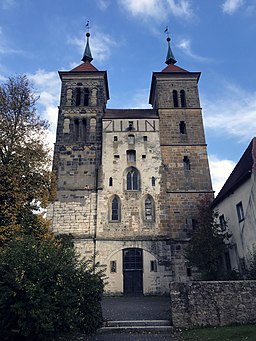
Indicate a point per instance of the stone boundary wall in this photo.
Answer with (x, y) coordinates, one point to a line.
(196, 304)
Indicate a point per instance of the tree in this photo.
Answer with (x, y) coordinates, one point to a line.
(208, 243)
(46, 290)
(24, 158)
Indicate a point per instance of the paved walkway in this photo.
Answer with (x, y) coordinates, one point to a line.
(134, 308)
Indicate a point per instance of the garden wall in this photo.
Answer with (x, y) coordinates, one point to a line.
(195, 304)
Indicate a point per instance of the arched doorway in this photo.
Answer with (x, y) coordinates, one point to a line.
(133, 271)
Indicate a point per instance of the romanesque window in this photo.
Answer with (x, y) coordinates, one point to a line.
(186, 163)
(183, 98)
(131, 139)
(175, 98)
(86, 97)
(149, 208)
(131, 155)
(153, 181)
(115, 209)
(77, 97)
(182, 127)
(132, 180)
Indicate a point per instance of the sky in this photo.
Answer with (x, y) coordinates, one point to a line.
(216, 37)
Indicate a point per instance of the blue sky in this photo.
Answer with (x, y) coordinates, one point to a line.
(216, 37)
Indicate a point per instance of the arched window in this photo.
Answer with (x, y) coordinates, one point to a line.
(149, 208)
(86, 97)
(183, 98)
(76, 130)
(153, 181)
(78, 97)
(115, 209)
(175, 98)
(110, 181)
(183, 127)
(132, 180)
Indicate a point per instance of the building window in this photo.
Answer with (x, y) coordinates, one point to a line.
(149, 208)
(131, 139)
(175, 98)
(143, 156)
(194, 224)
(78, 96)
(116, 156)
(130, 127)
(113, 266)
(153, 181)
(115, 138)
(227, 261)
(110, 181)
(115, 209)
(132, 180)
(183, 98)
(189, 272)
(145, 138)
(153, 266)
(186, 163)
(76, 130)
(183, 127)
(240, 211)
(222, 221)
(131, 155)
(86, 97)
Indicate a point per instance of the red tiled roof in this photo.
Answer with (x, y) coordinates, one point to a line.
(131, 113)
(173, 68)
(87, 66)
(240, 174)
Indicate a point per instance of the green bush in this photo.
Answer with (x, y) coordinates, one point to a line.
(46, 290)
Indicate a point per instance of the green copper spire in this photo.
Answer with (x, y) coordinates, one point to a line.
(170, 59)
(87, 52)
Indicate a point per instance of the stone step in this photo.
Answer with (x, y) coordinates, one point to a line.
(136, 326)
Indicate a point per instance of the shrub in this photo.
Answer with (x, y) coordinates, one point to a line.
(46, 290)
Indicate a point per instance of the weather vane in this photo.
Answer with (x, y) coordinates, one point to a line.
(87, 26)
(167, 32)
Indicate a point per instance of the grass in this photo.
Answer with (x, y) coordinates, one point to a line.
(230, 333)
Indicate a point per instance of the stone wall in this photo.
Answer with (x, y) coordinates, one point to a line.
(197, 304)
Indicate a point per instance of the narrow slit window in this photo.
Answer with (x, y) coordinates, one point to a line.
(175, 98)
(153, 266)
(183, 98)
(183, 127)
(110, 181)
(113, 266)
(153, 181)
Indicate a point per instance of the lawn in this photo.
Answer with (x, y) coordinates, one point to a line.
(230, 333)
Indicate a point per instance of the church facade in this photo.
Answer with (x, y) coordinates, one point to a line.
(129, 180)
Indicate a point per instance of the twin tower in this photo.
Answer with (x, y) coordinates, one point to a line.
(129, 180)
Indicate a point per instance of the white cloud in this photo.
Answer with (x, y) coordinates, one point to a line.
(47, 86)
(185, 46)
(100, 44)
(158, 9)
(220, 171)
(103, 4)
(232, 114)
(231, 6)
(5, 47)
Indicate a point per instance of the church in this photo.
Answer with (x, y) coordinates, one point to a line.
(129, 180)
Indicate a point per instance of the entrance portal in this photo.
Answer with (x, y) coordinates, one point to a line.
(133, 271)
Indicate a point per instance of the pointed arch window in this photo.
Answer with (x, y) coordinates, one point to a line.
(183, 98)
(175, 98)
(149, 208)
(115, 209)
(132, 180)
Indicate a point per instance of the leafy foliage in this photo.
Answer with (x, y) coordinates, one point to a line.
(208, 243)
(24, 157)
(45, 290)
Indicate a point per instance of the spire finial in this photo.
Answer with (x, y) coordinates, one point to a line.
(170, 59)
(87, 52)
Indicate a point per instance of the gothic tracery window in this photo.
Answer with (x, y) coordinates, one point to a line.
(132, 180)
